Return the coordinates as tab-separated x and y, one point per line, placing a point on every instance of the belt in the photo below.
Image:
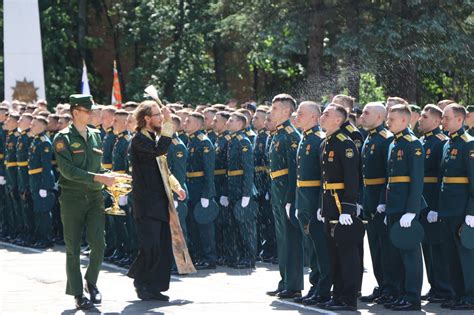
278	173
308	183
25	163
195	174
219	172
374	181
430	180
107	166
10	164
35	171
2	156
329	186
120	172
260	168
455	180
399	179
235	173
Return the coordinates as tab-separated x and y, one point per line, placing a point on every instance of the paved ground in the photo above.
33	282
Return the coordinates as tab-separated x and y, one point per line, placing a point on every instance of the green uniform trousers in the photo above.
79	210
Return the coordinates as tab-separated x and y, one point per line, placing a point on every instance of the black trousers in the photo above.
152	267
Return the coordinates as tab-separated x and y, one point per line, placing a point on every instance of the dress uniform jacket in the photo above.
212	135
251	135
262	180
183	137
22	148
220	168
10	163
39	163
177	158
108	147
120	153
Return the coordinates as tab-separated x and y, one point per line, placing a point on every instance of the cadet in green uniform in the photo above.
248	128
469	121
433	141
340	179
78	151
11	169
307	203
456	206
241	188
404	203
200	182
41	182
3	194
209	114
225	226
289	237
26	202
374	171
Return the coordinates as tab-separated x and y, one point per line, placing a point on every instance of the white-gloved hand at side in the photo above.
345	219
287	208
405	220
2	180
43	193
359	209
319	216
381	208
245	201
224	201
123	200
470	220
204	202
432	216
175	202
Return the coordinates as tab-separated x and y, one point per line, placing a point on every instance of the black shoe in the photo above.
245	264
43	245
288	294
160	297
267	259
144	294
206	266
273	293
406	306
316	299
335	305
462	306
370	298
83	303
221	261
383	299
449	304
96	297
304	297
438	299
426	296
393	302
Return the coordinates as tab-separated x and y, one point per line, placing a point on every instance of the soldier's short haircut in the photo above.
340	110
198	116
110	109
458	110
53	117
286	99
67	117
223	114
14	115
4	108
246	112
395	100
344	100
219	107
41	119
176	119
42	101
121	112
240	117
27	115
130	104
445	103
44	113
210	110
402	109
312	106
434	110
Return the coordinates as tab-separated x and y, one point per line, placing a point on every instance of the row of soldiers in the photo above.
259	173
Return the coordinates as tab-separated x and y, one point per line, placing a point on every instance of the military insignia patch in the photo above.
454	153
244	148
206	149
428	152
294	145
59	145
418	152
471	154
75	145
399	155
46	150
349	153
331	156
179	154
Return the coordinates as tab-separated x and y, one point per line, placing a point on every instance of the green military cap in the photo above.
470	108
348	234
206	215
82	100
407	238
415	108
466	233
245	214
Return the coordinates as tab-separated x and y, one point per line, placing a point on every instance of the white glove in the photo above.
319	216
204	202
43	193
2	180
267	196
345	219
296	213
123	200
385	220
175	202
224	201
432	216
56	186
287	208
405	220
470	220
245	201
359	209
381	208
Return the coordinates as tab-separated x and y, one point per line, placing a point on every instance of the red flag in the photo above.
116	92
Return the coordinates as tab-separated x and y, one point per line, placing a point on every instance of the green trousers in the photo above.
79	210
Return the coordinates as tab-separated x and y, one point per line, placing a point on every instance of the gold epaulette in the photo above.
227	137
175	141
95	130
350	128
42	138
201	137
16	133
239	137
385	133
288	129
466	137
249	133
127	137
441	136
409	138
341	136
320	134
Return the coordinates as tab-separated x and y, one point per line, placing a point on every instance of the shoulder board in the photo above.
64	131
289	129
341	137
350	128
239	137
465	137
201	137
43	138
268	132
128	137
227	137
385	133
95	130
16	133
320	134
409	138
441	136
175	141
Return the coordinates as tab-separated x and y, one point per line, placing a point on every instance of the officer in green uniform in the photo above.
120	166
209	114
3	199
200	183
456	206
78	151
41	181
26	202
289	237
11	170
374	171
225	226
308	190
404	204
241	188
469	122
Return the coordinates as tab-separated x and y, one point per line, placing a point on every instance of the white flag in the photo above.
85	89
